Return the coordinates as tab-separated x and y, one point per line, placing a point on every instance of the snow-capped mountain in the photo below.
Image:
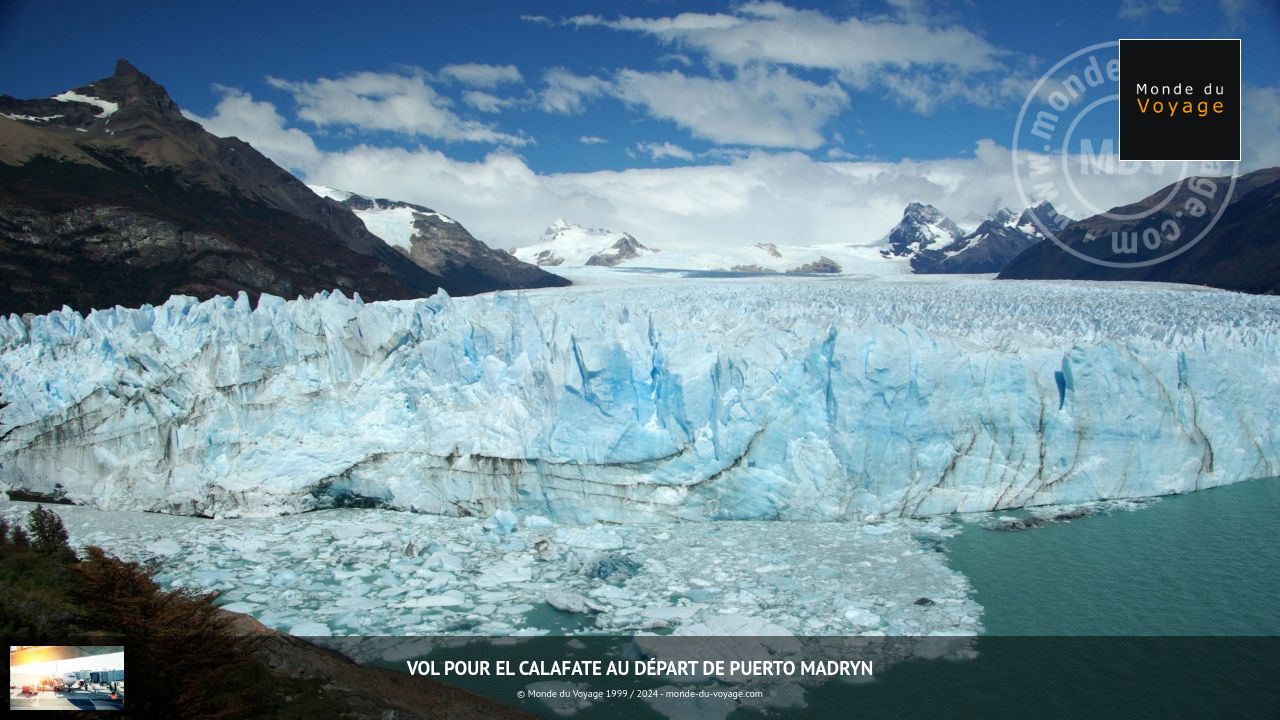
924	241
438	243
832	259
933	243
565	244
753	399
922	227
995	242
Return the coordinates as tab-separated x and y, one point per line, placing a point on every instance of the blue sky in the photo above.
518	98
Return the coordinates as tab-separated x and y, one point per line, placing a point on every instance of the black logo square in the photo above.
1180	100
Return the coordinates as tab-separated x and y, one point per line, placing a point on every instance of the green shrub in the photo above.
49	535
34	594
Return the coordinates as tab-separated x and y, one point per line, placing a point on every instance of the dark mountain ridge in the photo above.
1240	251
109	196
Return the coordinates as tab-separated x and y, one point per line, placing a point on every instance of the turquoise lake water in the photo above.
1168	611
1203	563
1070	610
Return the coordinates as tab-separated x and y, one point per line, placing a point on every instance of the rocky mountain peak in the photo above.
997	241
125	69
134	91
1005	216
770	248
625	248
1044	215
922	226
111	196
627	242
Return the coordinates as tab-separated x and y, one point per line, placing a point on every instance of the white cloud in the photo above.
926	90
488	102
759	106
658	151
921	64
1260	127
1140	9
773	32
257	123
784	197
388	101
481	75
1234	12
592	140
746	197
682	23
565	91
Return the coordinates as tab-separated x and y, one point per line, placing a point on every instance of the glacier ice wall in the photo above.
787	399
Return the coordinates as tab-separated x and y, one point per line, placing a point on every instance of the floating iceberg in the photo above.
798	399
346	574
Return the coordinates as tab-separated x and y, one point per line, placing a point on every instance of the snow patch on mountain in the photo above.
31	118
392	221
394	225
108	108
325	191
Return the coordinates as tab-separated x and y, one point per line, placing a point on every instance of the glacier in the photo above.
745	399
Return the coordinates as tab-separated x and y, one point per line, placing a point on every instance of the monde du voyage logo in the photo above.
1180	100
1176	125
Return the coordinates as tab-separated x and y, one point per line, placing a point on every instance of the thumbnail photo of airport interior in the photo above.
66	677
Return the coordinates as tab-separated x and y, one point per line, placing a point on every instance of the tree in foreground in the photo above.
185	660
49	535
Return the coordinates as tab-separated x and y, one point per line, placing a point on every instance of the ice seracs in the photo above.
789	398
